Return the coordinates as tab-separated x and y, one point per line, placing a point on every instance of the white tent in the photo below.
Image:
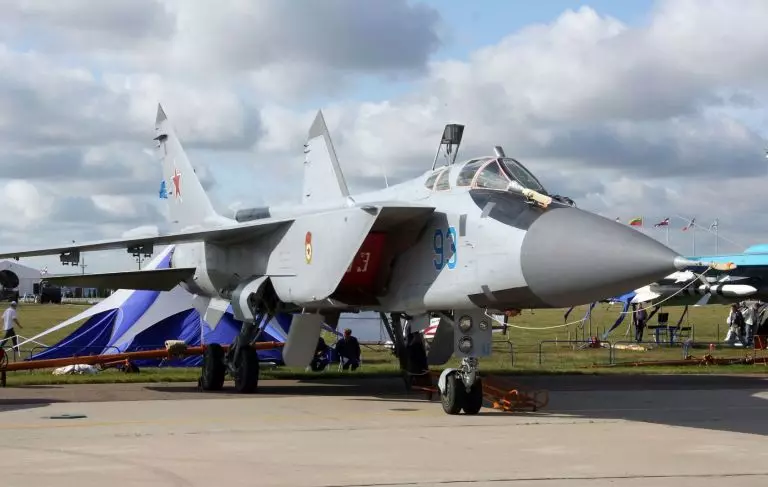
19	277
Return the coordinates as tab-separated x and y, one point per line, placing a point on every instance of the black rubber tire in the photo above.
247	371
454	395
214	370
473	402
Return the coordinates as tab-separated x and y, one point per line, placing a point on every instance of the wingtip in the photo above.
161	117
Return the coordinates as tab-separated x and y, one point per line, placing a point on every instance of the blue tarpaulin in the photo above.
131	321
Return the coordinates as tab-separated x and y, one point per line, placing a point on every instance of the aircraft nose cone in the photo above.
571	257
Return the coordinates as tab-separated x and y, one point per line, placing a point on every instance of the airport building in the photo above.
18	280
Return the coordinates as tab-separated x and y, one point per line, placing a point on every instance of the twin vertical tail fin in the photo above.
323	180
189	207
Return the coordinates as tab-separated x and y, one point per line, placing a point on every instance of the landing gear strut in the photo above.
414	374
241	361
462	388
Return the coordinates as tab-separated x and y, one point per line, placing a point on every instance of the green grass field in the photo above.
521	351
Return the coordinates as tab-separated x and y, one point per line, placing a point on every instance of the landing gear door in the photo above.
441	348
302	339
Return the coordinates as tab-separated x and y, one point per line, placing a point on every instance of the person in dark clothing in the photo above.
417	353
320	360
418	366
348	349
739	322
641	319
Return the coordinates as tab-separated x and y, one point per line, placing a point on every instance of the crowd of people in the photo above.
743	323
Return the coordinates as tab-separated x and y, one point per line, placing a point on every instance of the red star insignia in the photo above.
176	183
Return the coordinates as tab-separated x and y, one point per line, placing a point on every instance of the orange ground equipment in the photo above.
507	400
173	349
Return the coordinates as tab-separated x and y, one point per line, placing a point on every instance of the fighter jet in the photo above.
461	241
694	287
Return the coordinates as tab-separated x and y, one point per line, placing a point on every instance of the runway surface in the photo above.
620	431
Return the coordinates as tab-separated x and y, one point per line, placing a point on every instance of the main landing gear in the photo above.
241	360
462	389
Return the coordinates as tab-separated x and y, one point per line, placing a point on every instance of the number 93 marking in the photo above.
444	256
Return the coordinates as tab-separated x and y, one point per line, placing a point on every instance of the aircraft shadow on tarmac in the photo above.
8	405
387	388
725	403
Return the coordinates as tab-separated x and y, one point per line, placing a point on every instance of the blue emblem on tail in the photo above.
163	191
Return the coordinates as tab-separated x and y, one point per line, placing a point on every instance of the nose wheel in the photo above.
461	389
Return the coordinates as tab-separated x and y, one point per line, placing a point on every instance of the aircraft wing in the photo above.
226	234
389	213
149	280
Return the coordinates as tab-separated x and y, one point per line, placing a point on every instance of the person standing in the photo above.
735	325
754	323
11	319
641	319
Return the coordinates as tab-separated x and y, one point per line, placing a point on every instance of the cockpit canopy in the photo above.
499	173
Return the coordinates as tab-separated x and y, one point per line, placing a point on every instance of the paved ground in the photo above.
646	431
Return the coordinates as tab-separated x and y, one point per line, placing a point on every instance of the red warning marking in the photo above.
362	272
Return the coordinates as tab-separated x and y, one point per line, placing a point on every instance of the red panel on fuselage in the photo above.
362	273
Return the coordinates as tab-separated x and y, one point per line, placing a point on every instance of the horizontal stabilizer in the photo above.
148	280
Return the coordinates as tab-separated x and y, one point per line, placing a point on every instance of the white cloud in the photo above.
141	231
118	206
24	205
657	119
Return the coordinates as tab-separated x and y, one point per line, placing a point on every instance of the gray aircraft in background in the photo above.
461	241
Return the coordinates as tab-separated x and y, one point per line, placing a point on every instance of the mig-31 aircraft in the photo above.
461	241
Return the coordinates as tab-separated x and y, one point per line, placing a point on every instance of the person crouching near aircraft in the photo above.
348	349
320	360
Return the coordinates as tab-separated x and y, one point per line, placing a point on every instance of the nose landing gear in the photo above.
461	389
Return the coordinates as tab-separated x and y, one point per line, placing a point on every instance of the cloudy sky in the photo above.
631	108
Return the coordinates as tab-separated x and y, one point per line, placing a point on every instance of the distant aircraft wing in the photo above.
224	235
150	279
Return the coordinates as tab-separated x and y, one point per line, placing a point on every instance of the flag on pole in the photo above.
714	225
663	223
685	228
636	222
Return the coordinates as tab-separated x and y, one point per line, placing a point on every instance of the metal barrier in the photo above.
583	345
511	352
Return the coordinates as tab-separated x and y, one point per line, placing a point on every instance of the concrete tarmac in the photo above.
658	431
